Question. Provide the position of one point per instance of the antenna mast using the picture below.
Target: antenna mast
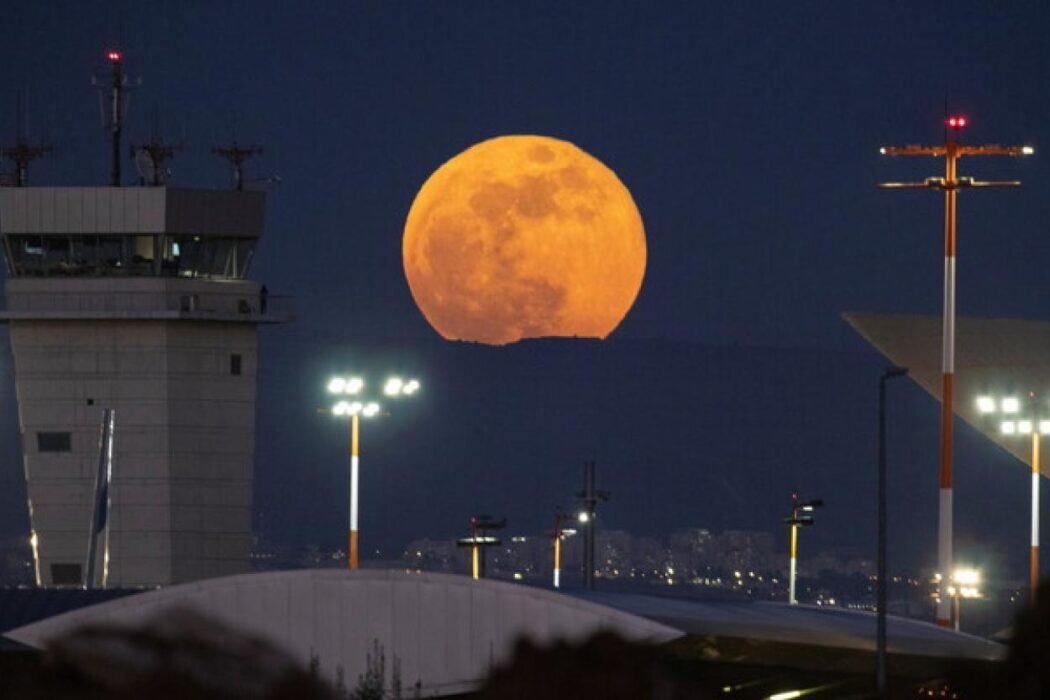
(118, 105)
(21, 153)
(237, 155)
(150, 157)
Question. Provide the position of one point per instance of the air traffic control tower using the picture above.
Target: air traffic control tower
(136, 299)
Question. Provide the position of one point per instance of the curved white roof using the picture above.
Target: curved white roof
(446, 631)
(809, 625)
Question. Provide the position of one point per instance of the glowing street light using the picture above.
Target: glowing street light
(950, 184)
(1034, 424)
(799, 517)
(355, 408)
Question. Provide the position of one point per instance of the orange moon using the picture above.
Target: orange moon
(523, 237)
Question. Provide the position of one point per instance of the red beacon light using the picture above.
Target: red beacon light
(114, 56)
(957, 122)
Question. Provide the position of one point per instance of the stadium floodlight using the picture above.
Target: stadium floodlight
(355, 410)
(1033, 422)
(965, 582)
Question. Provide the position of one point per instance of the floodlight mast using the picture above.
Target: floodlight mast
(1034, 424)
(950, 184)
(799, 518)
(355, 409)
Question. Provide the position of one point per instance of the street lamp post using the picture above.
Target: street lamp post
(950, 184)
(881, 583)
(800, 516)
(354, 409)
(1034, 424)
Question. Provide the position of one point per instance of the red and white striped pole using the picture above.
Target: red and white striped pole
(351, 554)
(952, 150)
(1033, 559)
(944, 519)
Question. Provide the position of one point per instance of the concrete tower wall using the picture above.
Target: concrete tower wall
(183, 446)
(134, 299)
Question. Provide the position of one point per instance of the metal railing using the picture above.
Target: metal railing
(276, 307)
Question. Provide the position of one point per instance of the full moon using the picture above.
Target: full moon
(523, 237)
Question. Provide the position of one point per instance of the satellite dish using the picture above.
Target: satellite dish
(148, 170)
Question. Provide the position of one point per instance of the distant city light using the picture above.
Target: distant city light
(1027, 150)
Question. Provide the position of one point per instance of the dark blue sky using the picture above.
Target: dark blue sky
(748, 134)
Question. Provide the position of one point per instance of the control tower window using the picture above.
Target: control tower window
(211, 257)
(27, 254)
(54, 442)
(66, 575)
(104, 255)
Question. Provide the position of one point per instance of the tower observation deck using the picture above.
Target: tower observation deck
(136, 299)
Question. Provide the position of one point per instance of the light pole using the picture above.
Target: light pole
(479, 539)
(881, 582)
(1035, 424)
(589, 498)
(560, 533)
(964, 584)
(952, 150)
(800, 511)
(354, 409)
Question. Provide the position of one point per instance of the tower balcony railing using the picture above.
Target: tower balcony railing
(44, 305)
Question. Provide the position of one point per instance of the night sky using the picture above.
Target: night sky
(748, 134)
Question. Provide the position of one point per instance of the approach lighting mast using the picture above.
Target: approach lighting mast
(950, 184)
(1020, 421)
(479, 539)
(801, 515)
